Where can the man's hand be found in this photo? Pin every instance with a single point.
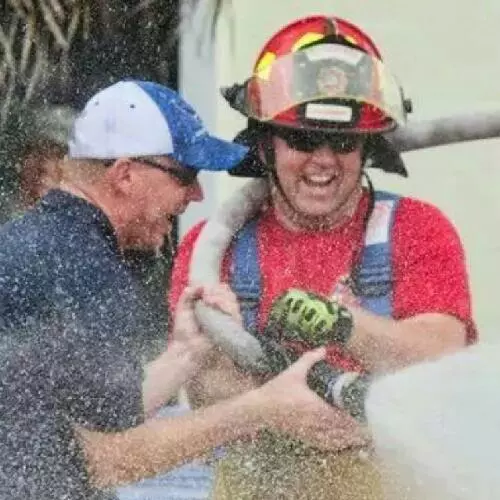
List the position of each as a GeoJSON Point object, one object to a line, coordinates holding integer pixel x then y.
{"type": "Point", "coordinates": [190, 348]}
{"type": "Point", "coordinates": [186, 328]}
{"type": "Point", "coordinates": [218, 378]}
{"type": "Point", "coordinates": [289, 406]}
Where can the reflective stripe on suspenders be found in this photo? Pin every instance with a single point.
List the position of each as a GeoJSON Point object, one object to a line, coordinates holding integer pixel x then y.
{"type": "Point", "coordinates": [374, 277]}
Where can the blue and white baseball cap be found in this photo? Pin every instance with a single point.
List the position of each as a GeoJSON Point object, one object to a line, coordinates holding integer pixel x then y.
{"type": "Point", "coordinates": [136, 118]}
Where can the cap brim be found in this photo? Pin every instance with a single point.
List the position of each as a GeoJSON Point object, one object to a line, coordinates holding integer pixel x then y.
{"type": "Point", "coordinates": [211, 153]}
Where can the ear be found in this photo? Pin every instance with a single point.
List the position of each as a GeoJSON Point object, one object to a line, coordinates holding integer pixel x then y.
{"type": "Point", "coordinates": [120, 176]}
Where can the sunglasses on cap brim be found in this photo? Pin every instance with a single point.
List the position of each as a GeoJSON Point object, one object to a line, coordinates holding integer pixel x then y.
{"type": "Point", "coordinates": [308, 141]}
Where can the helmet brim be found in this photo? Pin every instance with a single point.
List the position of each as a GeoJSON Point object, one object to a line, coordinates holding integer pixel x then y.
{"type": "Point", "coordinates": [379, 153]}
{"type": "Point", "coordinates": [252, 165]}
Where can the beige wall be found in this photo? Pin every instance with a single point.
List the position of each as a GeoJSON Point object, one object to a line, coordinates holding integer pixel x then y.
{"type": "Point", "coordinates": [447, 55]}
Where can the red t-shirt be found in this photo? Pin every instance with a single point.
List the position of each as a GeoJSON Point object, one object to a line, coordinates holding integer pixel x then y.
{"type": "Point", "coordinates": [429, 268]}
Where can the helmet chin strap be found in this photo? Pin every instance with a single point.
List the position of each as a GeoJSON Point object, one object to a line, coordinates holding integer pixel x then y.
{"type": "Point", "coordinates": [298, 218]}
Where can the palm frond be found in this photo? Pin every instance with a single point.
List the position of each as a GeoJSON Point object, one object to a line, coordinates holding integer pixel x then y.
{"type": "Point", "coordinates": [51, 49]}
{"type": "Point", "coordinates": [56, 53]}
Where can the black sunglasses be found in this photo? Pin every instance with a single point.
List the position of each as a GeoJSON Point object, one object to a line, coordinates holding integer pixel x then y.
{"type": "Point", "coordinates": [184, 175]}
{"type": "Point", "coordinates": [308, 141]}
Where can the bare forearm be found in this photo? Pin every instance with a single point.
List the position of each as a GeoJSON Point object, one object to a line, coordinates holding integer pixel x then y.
{"type": "Point", "coordinates": [161, 444]}
{"type": "Point", "coordinates": [217, 381]}
{"type": "Point", "coordinates": [165, 375]}
{"type": "Point", "coordinates": [383, 344]}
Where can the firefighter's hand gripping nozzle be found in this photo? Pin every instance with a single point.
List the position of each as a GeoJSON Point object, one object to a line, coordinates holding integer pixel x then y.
{"type": "Point", "coordinates": [302, 316]}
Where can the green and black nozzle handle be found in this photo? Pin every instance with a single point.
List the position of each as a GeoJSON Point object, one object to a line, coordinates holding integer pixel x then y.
{"type": "Point", "coordinates": [264, 355]}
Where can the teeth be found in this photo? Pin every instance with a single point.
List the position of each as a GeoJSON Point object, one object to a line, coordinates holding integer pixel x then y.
{"type": "Point", "coordinates": [319, 178]}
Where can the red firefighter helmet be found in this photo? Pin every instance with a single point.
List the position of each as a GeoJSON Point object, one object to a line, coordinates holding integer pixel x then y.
{"type": "Point", "coordinates": [321, 73]}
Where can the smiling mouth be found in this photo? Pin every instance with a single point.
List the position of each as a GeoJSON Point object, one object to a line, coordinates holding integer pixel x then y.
{"type": "Point", "coordinates": [319, 180]}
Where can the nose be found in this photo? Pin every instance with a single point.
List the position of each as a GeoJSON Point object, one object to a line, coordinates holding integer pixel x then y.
{"type": "Point", "coordinates": [325, 155]}
{"type": "Point", "coordinates": [195, 192]}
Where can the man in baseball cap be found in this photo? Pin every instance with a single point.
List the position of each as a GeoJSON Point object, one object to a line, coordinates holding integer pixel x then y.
{"type": "Point", "coordinates": [72, 322]}
{"type": "Point", "coordinates": [148, 145]}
